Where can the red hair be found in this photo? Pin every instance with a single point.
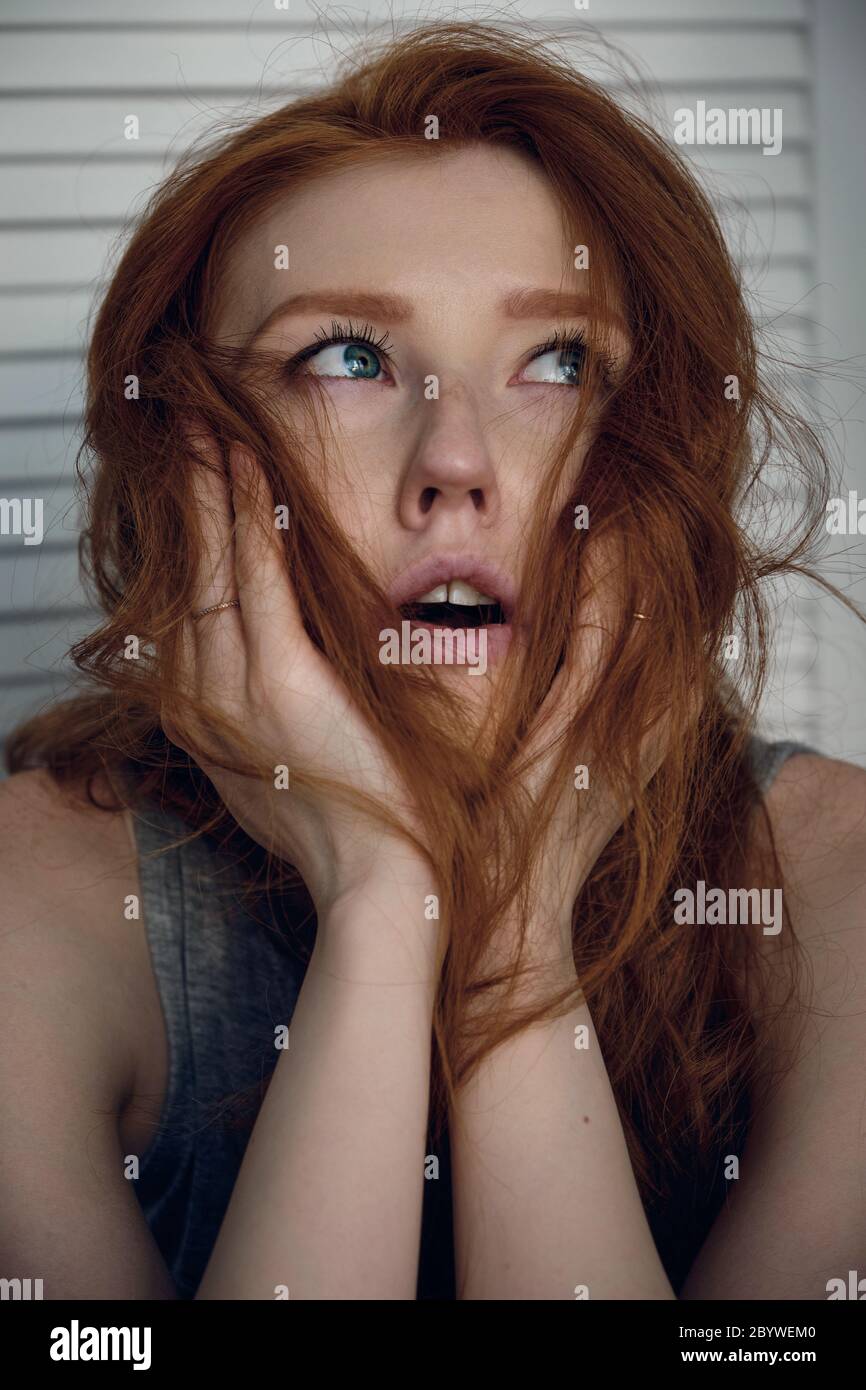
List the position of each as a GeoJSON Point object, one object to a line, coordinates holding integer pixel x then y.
{"type": "Point", "coordinates": [671, 477]}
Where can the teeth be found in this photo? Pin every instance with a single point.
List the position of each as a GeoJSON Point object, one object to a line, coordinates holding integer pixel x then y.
{"type": "Point", "coordinates": [437, 595]}
{"type": "Point", "coordinates": [457, 592]}
{"type": "Point", "coordinates": [464, 594]}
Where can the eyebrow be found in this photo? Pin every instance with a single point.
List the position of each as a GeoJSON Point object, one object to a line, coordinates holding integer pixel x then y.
{"type": "Point", "coordinates": [394, 308]}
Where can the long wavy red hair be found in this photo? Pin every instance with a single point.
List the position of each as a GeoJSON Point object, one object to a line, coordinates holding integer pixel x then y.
{"type": "Point", "coordinates": [672, 479]}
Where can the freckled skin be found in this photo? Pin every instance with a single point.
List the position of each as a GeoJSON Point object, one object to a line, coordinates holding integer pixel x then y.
{"type": "Point", "coordinates": [410, 476]}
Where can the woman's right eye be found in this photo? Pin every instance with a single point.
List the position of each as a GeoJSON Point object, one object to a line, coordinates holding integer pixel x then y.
{"type": "Point", "coordinates": [349, 361]}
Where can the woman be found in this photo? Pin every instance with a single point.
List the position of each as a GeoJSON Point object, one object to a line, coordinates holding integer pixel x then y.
{"type": "Point", "coordinates": [454, 347]}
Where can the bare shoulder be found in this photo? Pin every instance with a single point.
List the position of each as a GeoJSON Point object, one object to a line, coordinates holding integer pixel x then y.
{"type": "Point", "coordinates": [817, 808]}
{"type": "Point", "coordinates": [68, 947]}
{"type": "Point", "coordinates": [57, 831]}
{"type": "Point", "coordinates": [819, 804]}
{"type": "Point", "coordinates": [79, 1027]}
{"type": "Point", "coordinates": [63, 863]}
{"type": "Point", "coordinates": [796, 1221]}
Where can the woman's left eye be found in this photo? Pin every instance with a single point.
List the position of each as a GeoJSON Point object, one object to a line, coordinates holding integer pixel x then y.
{"type": "Point", "coordinates": [560, 366]}
{"type": "Point", "coordinates": [356, 361]}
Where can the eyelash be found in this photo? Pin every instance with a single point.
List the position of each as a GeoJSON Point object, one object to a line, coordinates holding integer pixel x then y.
{"type": "Point", "coordinates": [342, 333]}
{"type": "Point", "coordinates": [567, 341]}
{"type": "Point", "coordinates": [347, 333]}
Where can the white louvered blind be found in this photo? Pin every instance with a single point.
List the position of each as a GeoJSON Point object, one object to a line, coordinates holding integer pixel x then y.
{"type": "Point", "coordinates": [71, 73]}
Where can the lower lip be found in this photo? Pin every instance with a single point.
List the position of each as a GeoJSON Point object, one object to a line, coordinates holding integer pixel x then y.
{"type": "Point", "coordinates": [499, 637]}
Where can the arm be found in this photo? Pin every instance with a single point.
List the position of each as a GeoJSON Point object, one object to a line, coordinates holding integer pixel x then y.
{"type": "Point", "coordinates": [796, 1217]}
{"type": "Point", "coordinates": [70, 1007]}
{"type": "Point", "coordinates": [328, 1201]}
{"type": "Point", "coordinates": [546, 1201]}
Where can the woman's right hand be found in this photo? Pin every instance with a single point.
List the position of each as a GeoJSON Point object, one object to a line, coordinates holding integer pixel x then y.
{"type": "Point", "coordinates": [258, 667]}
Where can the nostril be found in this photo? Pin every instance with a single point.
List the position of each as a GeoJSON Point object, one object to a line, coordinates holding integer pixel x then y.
{"type": "Point", "coordinates": [477, 498]}
{"type": "Point", "coordinates": [427, 498]}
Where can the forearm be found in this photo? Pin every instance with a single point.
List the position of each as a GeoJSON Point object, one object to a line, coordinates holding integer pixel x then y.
{"type": "Point", "coordinates": [546, 1201]}
{"type": "Point", "coordinates": [329, 1197]}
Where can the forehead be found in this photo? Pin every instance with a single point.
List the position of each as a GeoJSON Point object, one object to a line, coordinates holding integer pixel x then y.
{"type": "Point", "coordinates": [447, 227]}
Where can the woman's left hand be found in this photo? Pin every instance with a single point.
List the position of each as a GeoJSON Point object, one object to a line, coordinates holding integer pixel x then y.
{"type": "Point", "coordinates": [585, 817]}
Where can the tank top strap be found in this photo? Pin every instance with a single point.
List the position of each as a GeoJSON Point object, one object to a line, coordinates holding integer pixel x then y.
{"type": "Point", "coordinates": [766, 757]}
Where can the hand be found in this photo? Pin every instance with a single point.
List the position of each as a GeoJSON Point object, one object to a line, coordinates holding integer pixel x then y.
{"type": "Point", "coordinates": [259, 669]}
{"type": "Point", "coordinates": [583, 820]}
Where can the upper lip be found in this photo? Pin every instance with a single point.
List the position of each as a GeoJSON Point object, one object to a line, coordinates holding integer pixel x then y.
{"type": "Point", "coordinates": [484, 575]}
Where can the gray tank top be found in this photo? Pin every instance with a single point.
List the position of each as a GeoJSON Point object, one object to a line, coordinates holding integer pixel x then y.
{"type": "Point", "coordinates": [226, 982]}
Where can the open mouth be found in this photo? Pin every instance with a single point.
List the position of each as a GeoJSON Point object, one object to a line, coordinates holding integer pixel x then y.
{"type": "Point", "coordinates": [454, 615]}
{"type": "Point", "coordinates": [455, 604]}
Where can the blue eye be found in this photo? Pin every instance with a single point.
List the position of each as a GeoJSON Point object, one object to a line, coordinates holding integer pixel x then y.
{"type": "Point", "coordinates": [561, 366]}
{"type": "Point", "coordinates": [351, 360]}
{"type": "Point", "coordinates": [346, 353]}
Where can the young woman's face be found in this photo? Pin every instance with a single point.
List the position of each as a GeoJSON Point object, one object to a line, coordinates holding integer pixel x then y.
{"type": "Point", "coordinates": [460, 267]}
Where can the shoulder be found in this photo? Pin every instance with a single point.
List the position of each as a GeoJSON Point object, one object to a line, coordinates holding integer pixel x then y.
{"type": "Point", "coordinates": [67, 954]}
{"type": "Point", "coordinates": [817, 810]}
{"type": "Point", "coordinates": [796, 1219]}
{"type": "Point", "coordinates": [62, 859]}
{"type": "Point", "coordinates": [819, 803]}
{"type": "Point", "coordinates": [74, 1013]}
{"type": "Point", "coordinates": [56, 821]}
{"type": "Point", "coordinates": [816, 1035]}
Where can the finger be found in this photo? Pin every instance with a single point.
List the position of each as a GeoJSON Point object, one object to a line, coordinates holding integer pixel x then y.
{"type": "Point", "coordinates": [214, 569]}
{"type": "Point", "coordinates": [213, 643]}
{"type": "Point", "coordinates": [174, 708]}
{"type": "Point", "coordinates": [271, 613]}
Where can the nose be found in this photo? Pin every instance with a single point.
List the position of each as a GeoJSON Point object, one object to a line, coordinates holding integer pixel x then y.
{"type": "Point", "coordinates": [451, 475]}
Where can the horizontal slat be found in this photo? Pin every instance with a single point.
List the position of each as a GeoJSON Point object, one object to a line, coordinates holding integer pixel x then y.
{"type": "Point", "coordinates": [49, 389]}
{"type": "Point", "coordinates": [32, 258]}
{"type": "Point", "coordinates": [37, 453]}
{"type": "Point", "coordinates": [57, 192]}
{"type": "Point", "coordinates": [798, 124]}
{"type": "Point", "coordinates": [782, 232]}
{"type": "Point", "coordinates": [28, 694]}
{"type": "Point", "coordinates": [108, 191]}
{"type": "Point", "coordinates": [31, 578]}
{"type": "Point", "coordinates": [44, 578]}
{"type": "Point", "coordinates": [192, 60]}
{"type": "Point", "coordinates": [60, 518]}
{"type": "Point", "coordinates": [55, 321]}
{"type": "Point", "coordinates": [92, 126]}
{"type": "Point", "coordinates": [32, 646]}
{"type": "Point", "coordinates": [782, 290]}
{"type": "Point", "coordinates": [261, 13]}
{"type": "Point", "coordinates": [746, 175]}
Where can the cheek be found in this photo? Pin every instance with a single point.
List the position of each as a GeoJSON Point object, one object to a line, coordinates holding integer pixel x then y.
{"type": "Point", "coordinates": [527, 446]}
{"type": "Point", "coordinates": [350, 446]}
